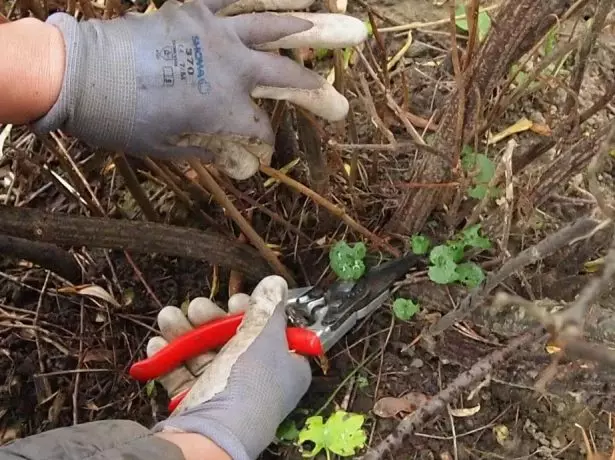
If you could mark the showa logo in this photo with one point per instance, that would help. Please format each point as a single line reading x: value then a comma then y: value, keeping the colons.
x: 203, y: 84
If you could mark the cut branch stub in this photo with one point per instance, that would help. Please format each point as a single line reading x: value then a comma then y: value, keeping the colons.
x: 517, y: 27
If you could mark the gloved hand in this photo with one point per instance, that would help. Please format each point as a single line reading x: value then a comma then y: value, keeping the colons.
x: 179, y: 82
x: 245, y: 390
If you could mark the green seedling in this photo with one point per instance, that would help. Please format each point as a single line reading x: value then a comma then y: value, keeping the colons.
x: 405, y: 309
x: 481, y: 169
x: 341, y: 434
x: 420, y: 244
x: 447, y: 263
x: 287, y: 431
x: 347, y: 261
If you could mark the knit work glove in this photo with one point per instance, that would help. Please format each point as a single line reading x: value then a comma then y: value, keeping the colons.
x: 179, y: 82
x: 240, y: 395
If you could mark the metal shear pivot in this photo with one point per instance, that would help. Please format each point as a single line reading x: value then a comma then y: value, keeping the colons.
x: 332, y: 313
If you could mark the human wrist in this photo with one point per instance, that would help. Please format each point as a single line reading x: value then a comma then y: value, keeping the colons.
x: 194, y: 446
x: 57, y: 66
x: 32, y: 84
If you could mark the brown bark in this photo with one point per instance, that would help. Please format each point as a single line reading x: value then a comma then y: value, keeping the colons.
x: 568, y: 164
x: 45, y: 255
x: 517, y: 26
x: 139, y: 237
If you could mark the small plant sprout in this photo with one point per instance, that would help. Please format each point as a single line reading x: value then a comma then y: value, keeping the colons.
x: 287, y: 431
x: 446, y: 260
x: 481, y: 169
x: 341, y: 434
x: 347, y: 261
x: 405, y: 309
x: 420, y: 244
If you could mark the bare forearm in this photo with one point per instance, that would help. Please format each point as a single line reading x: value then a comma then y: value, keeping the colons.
x: 31, y: 69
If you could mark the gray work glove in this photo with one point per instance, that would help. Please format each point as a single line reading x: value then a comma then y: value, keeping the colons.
x: 179, y: 82
x: 241, y: 394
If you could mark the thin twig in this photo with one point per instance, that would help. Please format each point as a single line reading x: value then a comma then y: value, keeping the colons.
x: 210, y: 184
x: 435, y: 405
x: 332, y: 208
x: 79, y: 363
x: 426, y: 25
x: 133, y: 185
x: 544, y: 248
x: 598, y: 20
x: 41, y: 366
x: 595, y: 166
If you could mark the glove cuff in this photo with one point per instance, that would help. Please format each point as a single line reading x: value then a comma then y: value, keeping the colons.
x: 97, y: 102
x: 211, y: 429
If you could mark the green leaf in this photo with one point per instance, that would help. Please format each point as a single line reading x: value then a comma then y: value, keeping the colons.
x: 486, y: 169
x: 484, y: 21
x: 457, y: 248
x: 420, y: 244
x: 470, y: 274
x: 404, y: 309
x: 444, y: 273
x: 478, y: 191
x: 321, y: 53
x: 484, y: 25
x: 287, y: 431
x: 150, y: 388
x: 441, y: 254
x: 341, y: 434
x: 550, y: 41
x: 362, y: 381
x: 471, y: 237
x: 347, y: 261
x: 478, y: 164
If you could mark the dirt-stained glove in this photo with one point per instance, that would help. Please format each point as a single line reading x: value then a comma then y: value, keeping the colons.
x: 179, y: 82
x: 245, y: 390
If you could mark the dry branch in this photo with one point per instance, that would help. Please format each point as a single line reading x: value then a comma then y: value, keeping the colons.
x: 544, y: 248
x: 518, y: 26
x: 46, y: 255
x: 566, y: 165
x: 332, y: 208
x: 140, y: 237
x: 438, y: 403
x: 602, y: 11
x: 210, y: 183
x: 133, y: 185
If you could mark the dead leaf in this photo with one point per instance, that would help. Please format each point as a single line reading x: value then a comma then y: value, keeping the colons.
x: 465, y: 411
x: 97, y: 355
x: 4, y: 134
x: 128, y: 297
x: 539, y: 128
x: 522, y: 125
x: 284, y: 169
x: 390, y: 406
x: 10, y: 434
x: 502, y: 434
x: 91, y: 290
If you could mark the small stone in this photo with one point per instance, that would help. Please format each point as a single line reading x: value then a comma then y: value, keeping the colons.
x: 556, y: 443
x: 417, y: 363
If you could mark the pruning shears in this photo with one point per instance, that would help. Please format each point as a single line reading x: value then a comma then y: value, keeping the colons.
x: 319, y: 318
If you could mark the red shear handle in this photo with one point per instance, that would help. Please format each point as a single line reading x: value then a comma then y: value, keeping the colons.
x: 210, y: 336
